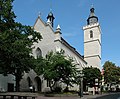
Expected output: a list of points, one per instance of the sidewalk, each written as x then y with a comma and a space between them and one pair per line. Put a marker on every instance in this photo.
72, 97
92, 96
41, 96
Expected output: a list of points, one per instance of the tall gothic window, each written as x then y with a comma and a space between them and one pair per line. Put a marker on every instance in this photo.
38, 52
91, 34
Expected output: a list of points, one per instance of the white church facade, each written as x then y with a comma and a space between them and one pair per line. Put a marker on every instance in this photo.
53, 41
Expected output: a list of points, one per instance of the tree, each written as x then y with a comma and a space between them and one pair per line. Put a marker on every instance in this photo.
16, 41
57, 68
90, 74
111, 72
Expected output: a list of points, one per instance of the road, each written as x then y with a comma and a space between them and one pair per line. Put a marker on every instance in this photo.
100, 96
41, 97
110, 96
106, 96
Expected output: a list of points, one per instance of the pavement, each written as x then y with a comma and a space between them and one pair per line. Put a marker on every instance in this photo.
41, 96
72, 97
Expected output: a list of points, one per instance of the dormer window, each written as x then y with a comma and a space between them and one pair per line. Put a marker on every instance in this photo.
91, 34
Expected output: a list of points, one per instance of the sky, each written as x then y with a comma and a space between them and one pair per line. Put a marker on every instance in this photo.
71, 15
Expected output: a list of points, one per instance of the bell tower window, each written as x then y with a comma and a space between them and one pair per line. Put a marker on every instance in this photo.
91, 34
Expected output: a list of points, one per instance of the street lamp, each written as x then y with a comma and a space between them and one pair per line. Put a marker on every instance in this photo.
81, 84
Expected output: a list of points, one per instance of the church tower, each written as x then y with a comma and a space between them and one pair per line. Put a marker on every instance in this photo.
50, 18
92, 41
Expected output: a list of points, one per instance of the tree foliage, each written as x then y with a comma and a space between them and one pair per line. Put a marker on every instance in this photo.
90, 74
111, 72
16, 42
57, 68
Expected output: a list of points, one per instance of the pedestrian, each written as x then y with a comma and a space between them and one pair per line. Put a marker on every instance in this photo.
101, 89
31, 88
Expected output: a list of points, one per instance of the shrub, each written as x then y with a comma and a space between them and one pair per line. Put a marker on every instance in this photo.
57, 89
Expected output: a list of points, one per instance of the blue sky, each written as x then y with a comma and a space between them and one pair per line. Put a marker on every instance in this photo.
71, 15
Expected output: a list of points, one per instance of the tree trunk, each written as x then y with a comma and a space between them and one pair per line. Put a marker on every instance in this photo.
17, 88
18, 77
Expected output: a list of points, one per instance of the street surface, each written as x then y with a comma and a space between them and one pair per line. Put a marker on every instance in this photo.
98, 96
109, 96
103, 96
41, 97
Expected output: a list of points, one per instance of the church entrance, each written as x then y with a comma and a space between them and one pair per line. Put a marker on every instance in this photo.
38, 84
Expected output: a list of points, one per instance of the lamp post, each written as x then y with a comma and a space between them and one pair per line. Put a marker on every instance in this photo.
81, 84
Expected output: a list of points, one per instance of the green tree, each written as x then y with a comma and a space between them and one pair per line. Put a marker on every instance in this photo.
111, 72
57, 68
90, 74
16, 42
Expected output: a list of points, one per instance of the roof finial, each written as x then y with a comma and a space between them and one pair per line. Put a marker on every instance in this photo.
92, 6
92, 9
51, 6
58, 28
39, 13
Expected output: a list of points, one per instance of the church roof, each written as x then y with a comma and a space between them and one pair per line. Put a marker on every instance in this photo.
72, 49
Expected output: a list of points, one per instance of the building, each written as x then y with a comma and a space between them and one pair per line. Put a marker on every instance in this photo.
7, 83
92, 41
53, 41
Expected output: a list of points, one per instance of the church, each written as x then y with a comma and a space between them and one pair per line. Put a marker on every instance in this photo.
53, 41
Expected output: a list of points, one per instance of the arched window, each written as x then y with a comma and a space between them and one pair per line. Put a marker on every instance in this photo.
91, 34
38, 84
29, 81
38, 52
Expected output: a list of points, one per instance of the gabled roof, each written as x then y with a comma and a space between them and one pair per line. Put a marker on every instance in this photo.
63, 41
45, 24
72, 49
38, 18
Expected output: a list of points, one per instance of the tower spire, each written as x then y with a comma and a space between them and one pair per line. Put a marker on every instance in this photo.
51, 18
92, 17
